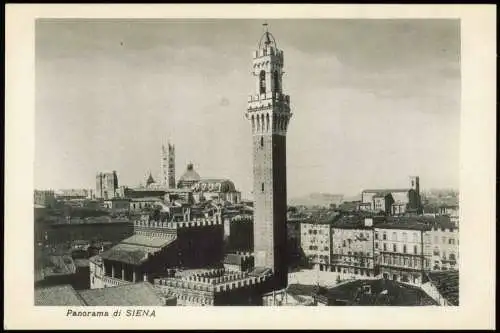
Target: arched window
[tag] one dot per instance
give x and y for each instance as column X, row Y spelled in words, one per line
column 276, row 79
column 261, row 142
column 262, row 82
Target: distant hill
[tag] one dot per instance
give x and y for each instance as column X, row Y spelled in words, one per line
column 317, row 199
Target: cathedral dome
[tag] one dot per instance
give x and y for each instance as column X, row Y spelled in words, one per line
column 189, row 177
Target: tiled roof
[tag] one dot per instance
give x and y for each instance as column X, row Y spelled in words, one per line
column 447, row 284
column 408, row 222
column 147, row 241
column 383, row 292
column 136, row 294
column 328, row 217
column 60, row 265
column 134, row 250
column 404, row 226
column 126, row 253
column 58, row 295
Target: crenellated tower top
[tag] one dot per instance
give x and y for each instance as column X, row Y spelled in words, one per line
column 268, row 107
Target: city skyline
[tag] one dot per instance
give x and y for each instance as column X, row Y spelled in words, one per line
column 108, row 98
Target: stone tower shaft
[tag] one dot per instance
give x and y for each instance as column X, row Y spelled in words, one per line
column 269, row 114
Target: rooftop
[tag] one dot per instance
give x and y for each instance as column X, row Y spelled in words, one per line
column 59, row 265
column 404, row 226
column 136, row 249
column 58, row 295
column 134, row 294
column 356, row 221
column 382, row 292
column 81, row 262
column 447, row 284
column 190, row 175
column 149, row 241
column 146, row 199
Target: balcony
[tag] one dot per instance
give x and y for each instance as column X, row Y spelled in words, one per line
column 113, row 282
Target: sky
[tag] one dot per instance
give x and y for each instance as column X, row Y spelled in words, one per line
column 373, row 101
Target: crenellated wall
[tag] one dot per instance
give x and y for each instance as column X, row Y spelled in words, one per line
column 211, row 287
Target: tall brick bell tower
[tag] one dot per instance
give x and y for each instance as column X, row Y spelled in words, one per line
column 269, row 113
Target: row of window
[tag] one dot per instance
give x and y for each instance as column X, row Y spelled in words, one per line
column 355, row 254
column 315, row 232
column 395, row 248
column 394, row 237
column 404, row 261
column 346, row 270
column 451, row 241
column 451, row 256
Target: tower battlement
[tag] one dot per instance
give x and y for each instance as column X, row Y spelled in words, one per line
column 268, row 51
column 226, row 281
column 197, row 222
column 241, row 217
column 268, row 111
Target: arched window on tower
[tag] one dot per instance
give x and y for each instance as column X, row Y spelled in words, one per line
column 262, row 82
column 262, row 142
column 276, row 79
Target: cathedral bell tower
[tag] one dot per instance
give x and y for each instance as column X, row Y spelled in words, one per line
column 269, row 113
column 168, row 165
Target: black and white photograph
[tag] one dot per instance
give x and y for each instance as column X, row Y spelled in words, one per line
column 241, row 162
column 255, row 162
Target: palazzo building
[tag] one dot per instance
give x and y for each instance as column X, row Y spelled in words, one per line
column 156, row 246
column 403, row 250
column 393, row 201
